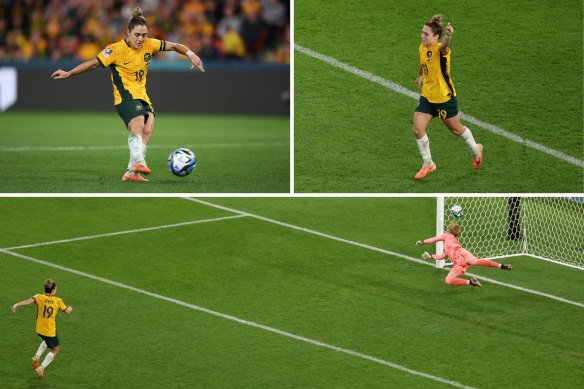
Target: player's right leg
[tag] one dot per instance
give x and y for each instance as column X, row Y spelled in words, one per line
column 133, row 113
column 136, row 127
column 421, row 121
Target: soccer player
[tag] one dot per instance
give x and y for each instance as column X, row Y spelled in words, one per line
column 48, row 305
column 461, row 258
column 438, row 96
column 128, row 61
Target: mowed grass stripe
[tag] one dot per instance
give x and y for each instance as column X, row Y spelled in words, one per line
column 124, row 232
column 406, row 92
column 20, row 149
column 239, row 320
column 388, row 252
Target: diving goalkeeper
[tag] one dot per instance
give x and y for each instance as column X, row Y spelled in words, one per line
column 461, row 257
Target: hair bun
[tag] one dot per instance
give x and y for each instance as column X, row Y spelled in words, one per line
column 435, row 19
column 137, row 13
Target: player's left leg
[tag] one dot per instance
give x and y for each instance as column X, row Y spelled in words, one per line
column 474, row 261
column 147, row 134
column 455, row 126
column 39, row 354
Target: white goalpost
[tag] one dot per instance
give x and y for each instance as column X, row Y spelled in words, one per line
column 547, row 228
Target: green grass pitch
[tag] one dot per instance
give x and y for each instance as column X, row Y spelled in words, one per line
column 88, row 152
column 353, row 135
column 380, row 305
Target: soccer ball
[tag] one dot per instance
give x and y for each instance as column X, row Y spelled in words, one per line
column 456, row 211
column 182, row 162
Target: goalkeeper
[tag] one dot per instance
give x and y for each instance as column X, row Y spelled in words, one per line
column 461, row 257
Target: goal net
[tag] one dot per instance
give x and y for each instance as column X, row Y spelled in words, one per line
column 548, row 228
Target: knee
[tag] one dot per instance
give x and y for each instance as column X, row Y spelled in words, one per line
column 448, row 280
column 137, row 126
column 55, row 350
column 458, row 131
column 418, row 132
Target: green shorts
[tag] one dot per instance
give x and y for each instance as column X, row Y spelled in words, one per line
column 443, row 110
column 129, row 109
column 51, row 341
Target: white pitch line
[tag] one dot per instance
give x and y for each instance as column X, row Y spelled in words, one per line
column 196, row 146
column 388, row 252
column 404, row 91
column 242, row 321
column 26, row 246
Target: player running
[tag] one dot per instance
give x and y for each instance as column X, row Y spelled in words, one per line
column 128, row 61
column 48, row 305
column 438, row 96
column 461, row 258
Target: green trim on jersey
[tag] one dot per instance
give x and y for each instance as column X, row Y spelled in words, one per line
column 117, row 79
column 443, row 68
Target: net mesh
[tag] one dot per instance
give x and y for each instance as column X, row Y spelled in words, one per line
column 550, row 228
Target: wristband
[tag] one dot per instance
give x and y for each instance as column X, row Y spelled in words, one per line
column 189, row 53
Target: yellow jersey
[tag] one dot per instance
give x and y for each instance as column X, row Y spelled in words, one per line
column 47, row 309
column 129, row 67
column 437, row 86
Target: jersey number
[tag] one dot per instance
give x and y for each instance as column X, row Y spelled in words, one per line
column 139, row 75
column 48, row 310
column 442, row 113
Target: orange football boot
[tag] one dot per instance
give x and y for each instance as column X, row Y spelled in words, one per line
column 133, row 177
column 40, row 372
column 35, row 362
column 425, row 170
column 141, row 168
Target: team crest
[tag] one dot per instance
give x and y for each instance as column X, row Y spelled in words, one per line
column 138, row 107
column 107, row 52
column 429, row 55
column 147, row 57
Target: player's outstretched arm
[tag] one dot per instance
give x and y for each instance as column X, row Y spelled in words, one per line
column 82, row 68
column 182, row 49
column 68, row 310
column 446, row 41
column 22, row 303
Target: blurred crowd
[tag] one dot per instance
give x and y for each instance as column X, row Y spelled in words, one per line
column 245, row 30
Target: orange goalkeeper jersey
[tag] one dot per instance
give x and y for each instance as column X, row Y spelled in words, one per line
column 451, row 245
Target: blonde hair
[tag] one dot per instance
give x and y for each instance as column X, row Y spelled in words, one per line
column 454, row 229
column 435, row 25
column 137, row 19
